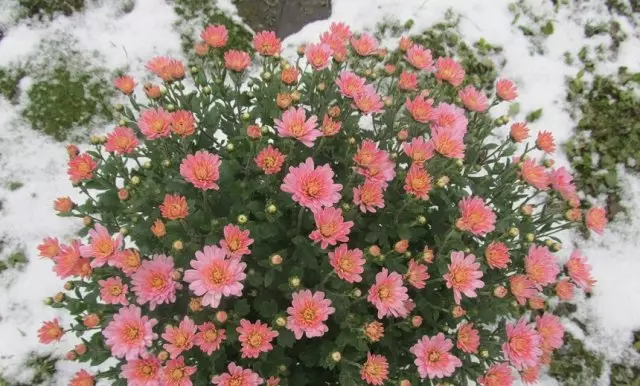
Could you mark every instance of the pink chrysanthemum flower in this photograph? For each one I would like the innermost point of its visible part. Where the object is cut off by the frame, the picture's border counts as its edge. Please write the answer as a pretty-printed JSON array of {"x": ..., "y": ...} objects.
[
  {"x": 183, "y": 123},
  {"x": 545, "y": 142},
  {"x": 330, "y": 127},
  {"x": 128, "y": 261},
  {"x": 267, "y": 43},
  {"x": 236, "y": 241},
  {"x": 564, "y": 289},
  {"x": 433, "y": 357},
  {"x": 347, "y": 263},
  {"x": 337, "y": 45},
  {"x": 498, "y": 374},
  {"x": 161, "y": 67},
  {"x": 50, "y": 247},
  {"x": 330, "y": 227},
  {"x": 522, "y": 347},
  {"x": 530, "y": 375},
  {"x": 295, "y": 124},
  {"x": 214, "y": 276},
  {"x": 113, "y": 291},
  {"x": 155, "y": 123},
  {"x": 209, "y": 337},
  {"x": 366, "y": 153},
  {"x": 349, "y": 84},
  {"x": 418, "y": 182},
  {"x": 579, "y": 271},
  {"x": 380, "y": 170},
  {"x": 273, "y": 381},
  {"x": 307, "y": 314},
  {"x": 369, "y": 196},
  {"x": 522, "y": 288},
  {"x": 368, "y": 101},
  {"x": 121, "y": 140},
  {"x": 365, "y": 44},
  {"x": 270, "y": 160},
  {"x": 418, "y": 150},
  {"x": 340, "y": 30},
  {"x": 473, "y": 99},
  {"x": 550, "y": 330},
  {"x": 215, "y": 35},
  {"x": 417, "y": 274},
  {"x": 408, "y": 81},
  {"x": 237, "y": 376},
  {"x": 463, "y": 276},
  {"x": 467, "y": 338},
  {"x": 310, "y": 186},
  {"x": 153, "y": 282},
  {"x": 318, "y": 55},
  {"x": 82, "y": 378},
  {"x": 142, "y": 372},
  {"x": 375, "y": 370},
  {"x": 596, "y": 219},
  {"x": 448, "y": 116},
  {"x": 129, "y": 333},
  {"x": 534, "y": 174},
  {"x": 174, "y": 207},
  {"x": 497, "y": 255},
  {"x": 255, "y": 338},
  {"x": 421, "y": 109},
  {"x": 81, "y": 168},
  {"x": 447, "y": 142},
  {"x": 50, "y": 332},
  {"x": 541, "y": 265},
  {"x": 477, "y": 217},
  {"x": 419, "y": 57},
  {"x": 68, "y": 261},
  {"x": 519, "y": 132},
  {"x": 176, "y": 373},
  {"x": 125, "y": 84},
  {"x": 506, "y": 90},
  {"x": 562, "y": 182},
  {"x": 179, "y": 338},
  {"x": 388, "y": 294},
  {"x": 103, "y": 248},
  {"x": 450, "y": 71},
  {"x": 236, "y": 60}
]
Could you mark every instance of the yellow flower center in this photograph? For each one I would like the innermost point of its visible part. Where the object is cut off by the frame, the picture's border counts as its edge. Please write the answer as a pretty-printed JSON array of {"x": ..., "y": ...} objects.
[
  {"x": 132, "y": 332},
  {"x": 217, "y": 276},
  {"x": 433, "y": 356},
  {"x": 157, "y": 281},
  {"x": 346, "y": 264},
  {"x": 327, "y": 230},
  {"x": 211, "y": 335},
  {"x": 384, "y": 293},
  {"x": 180, "y": 339},
  {"x": 157, "y": 125},
  {"x": 255, "y": 339},
  {"x": 308, "y": 314},
  {"x": 234, "y": 244},
  {"x": 146, "y": 370},
  {"x": 115, "y": 290},
  {"x": 177, "y": 374},
  {"x": 312, "y": 188}
]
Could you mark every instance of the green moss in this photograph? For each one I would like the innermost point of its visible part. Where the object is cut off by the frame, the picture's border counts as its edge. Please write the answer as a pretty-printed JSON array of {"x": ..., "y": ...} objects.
[
  {"x": 574, "y": 365},
  {"x": 14, "y": 185},
  {"x": 47, "y": 9},
  {"x": 9, "y": 80},
  {"x": 15, "y": 260}
]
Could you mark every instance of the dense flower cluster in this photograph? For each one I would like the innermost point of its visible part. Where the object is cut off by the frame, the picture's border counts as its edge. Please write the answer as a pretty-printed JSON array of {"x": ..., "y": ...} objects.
[{"x": 345, "y": 219}]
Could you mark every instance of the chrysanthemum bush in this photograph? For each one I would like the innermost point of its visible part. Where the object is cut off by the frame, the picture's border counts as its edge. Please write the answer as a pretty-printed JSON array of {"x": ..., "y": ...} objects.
[{"x": 337, "y": 220}]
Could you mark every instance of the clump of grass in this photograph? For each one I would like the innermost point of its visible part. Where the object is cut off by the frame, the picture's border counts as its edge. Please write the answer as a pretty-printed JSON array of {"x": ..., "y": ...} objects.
[
  {"x": 14, "y": 185},
  {"x": 9, "y": 81},
  {"x": 535, "y": 26},
  {"x": 16, "y": 260},
  {"x": 574, "y": 365},
  {"x": 47, "y": 9}
]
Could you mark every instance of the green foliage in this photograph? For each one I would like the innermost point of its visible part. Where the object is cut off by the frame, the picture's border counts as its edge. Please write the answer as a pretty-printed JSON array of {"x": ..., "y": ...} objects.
[
  {"x": 534, "y": 115},
  {"x": 14, "y": 185},
  {"x": 574, "y": 365},
  {"x": 9, "y": 80},
  {"x": 15, "y": 260},
  {"x": 47, "y": 9}
]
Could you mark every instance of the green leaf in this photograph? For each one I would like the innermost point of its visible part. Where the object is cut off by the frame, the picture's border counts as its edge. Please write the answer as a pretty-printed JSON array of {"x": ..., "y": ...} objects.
[
  {"x": 534, "y": 115},
  {"x": 286, "y": 338},
  {"x": 242, "y": 307},
  {"x": 547, "y": 29}
]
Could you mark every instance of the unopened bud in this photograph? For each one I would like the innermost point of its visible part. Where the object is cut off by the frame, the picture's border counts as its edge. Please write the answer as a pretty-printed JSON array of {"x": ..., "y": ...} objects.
[
  {"x": 87, "y": 221},
  {"x": 230, "y": 147},
  {"x": 526, "y": 210},
  {"x": 357, "y": 292},
  {"x": 123, "y": 194},
  {"x": 549, "y": 163},
  {"x": 401, "y": 246},
  {"x": 548, "y": 243},
  {"x": 295, "y": 96},
  {"x": 195, "y": 304},
  {"x": 166, "y": 163},
  {"x": 221, "y": 316},
  {"x": 59, "y": 297},
  {"x": 177, "y": 245},
  {"x": 530, "y": 237},
  {"x": 135, "y": 180},
  {"x": 48, "y": 301},
  {"x": 242, "y": 219},
  {"x": 459, "y": 163},
  {"x": 556, "y": 247},
  {"x": 68, "y": 286},
  {"x": 416, "y": 321},
  {"x": 422, "y": 220},
  {"x": 171, "y": 107},
  {"x": 352, "y": 141},
  {"x": 176, "y": 274},
  {"x": 402, "y": 135},
  {"x": 119, "y": 107},
  {"x": 271, "y": 209},
  {"x": 124, "y": 231},
  {"x": 500, "y": 292},
  {"x": 484, "y": 354},
  {"x": 122, "y": 122},
  {"x": 206, "y": 90},
  {"x": 322, "y": 86},
  {"x": 163, "y": 355},
  {"x": 80, "y": 349},
  {"x": 280, "y": 321},
  {"x": 336, "y": 356},
  {"x": 276, "y": 259},
  {"x": 346, "y": 207},
  {"x": 71, "y": 356},
  {"x": 147, "y": 165},
  {"x": 266, "y": 75},
  {"x": 282, "y": 368},
  {"x": 294, "y": 281},
  {"x": 514, "y": 232},
  {"x": 388, "y": 101}
]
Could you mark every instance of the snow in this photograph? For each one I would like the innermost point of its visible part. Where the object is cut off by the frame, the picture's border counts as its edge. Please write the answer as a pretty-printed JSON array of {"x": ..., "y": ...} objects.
[{"x": 126, "y": 41}]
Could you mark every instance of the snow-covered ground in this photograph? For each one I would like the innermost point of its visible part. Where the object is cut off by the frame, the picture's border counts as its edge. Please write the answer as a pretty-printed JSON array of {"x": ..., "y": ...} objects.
[{"x": 126, "y": 41}]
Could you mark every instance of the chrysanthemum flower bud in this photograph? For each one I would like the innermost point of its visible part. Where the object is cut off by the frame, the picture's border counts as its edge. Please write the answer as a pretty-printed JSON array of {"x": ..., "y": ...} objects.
[
  {"x": 230, "y": 147},
  {"x": 321, "y": 86},
  {"x": 513, "y": 232},
  {"x": 407, "y": 254},
  {"x": 484, "y": 354},
  {"x": 135, "y": 180},
  {"x": 356, "y": 293},
  {"x": 264, "y": 130},
  {"x": 195, "y": 304},
  {"x": 271, "y": 209},
  {"x": 72, "y": 150},
  {"x": 352, "y": 141},
  {"x": 500, "y": 291},
  {"x": 206, "y": 90},
  {"x": 404, "y": 382},
  {"x": 71, "y": 356},
  {"x": 334, "y": 111},
  {"x": 530, "y": 237},
  {"x": 266, "y": 75},
  {"x": 68, "y": 285},
  {"x": 166, "y": 163},
  {"x": 63, "y": 205},
  {"x": 556, "y": 247},
  {"x": 221, "y": 316},
  {"x": 123, "y": 231},
  {"x": 294, "y": 281},
  {"x": 80, "y": 349},
  {"x": 459, "y": 163},
  {"x": 346, "y": 207},
  {"x": 526, "y": 210},
  {"x": 402, "y": 135},
  {"x": 158, "y": 228},
  {"x": 514, "y": 304},
  {"x": 171, "y": 107},
  {"x": 381, "y": 258},
  {"x": 401, "y": 246},
  {"x": 242, "y": 219},
  {"x": 281, "y": 321},
  {"x": 123, "y": 194},
  {"x": 422, "y": 220},
  {"x": 163, "y": 355},
  {"x": 295, "y": 95},
  {"x": 282, "y": 368},
  {"x": 276, "y": 259},
  {"x": 467, "y": 250},
  {"x": 118, "y": 107},
  {"x": 176, "y": 274},
  {"x": 548, "y": 243},
  {"x": 336, "y": 356},
  {"x": 91, "y": 321},
  {"x": 87, "y": 221},
  {"x": 458, "y": 312},
  {"x": 416, "y": 321},
  {"x": 427, "y": 255},
  {"x": 59, "y": 297},
  {"x": 374, "y": 250},
  {"x": 48, "y": 301},
  {"x": 94, "y": 139},
  {"x": 573, "y": 215},
  {"x": 283, "y": 100},
  {"x": 301, "y": 49}
]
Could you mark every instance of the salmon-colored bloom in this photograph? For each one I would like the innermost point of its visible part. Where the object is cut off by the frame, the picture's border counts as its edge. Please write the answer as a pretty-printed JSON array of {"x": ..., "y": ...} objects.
[
  {"x": 374, "y": 331},
  {"x": 497, "y": 255},
  {"x": 369, "y": 196},
  {"x": 113, "y": 291},
  {"x": 128, "y": 261},
  {"x": 72, "y": 150},
  {"x": 122, "y": 140},
  {"x": 347, "y": 263},
  {"x": 579, "y": 271},
  {"x": 236, "y": 241},
  {"x": 158, "y": 229},
  {"x": 522, "y": 288},
  {"x": 255, "y": 338},
  {"x": 506, "y": 90},
  {"x": 215, "y": 35},
  {"x": 449, "y": 70},
  {"x": 82, "y": 378},
  {"x": 476, "y": 216},
  {"x": 174, "y": 207},
  {"x": 202, "y": 170},
  {"x": 63, "y": 204},
  {"x": 237, "y": 376},
  {"x": 318, "y": 55},
  {"x": 418, "y": 182},
  {"x": 418, "y": 150},
  {"x": 330, "y": 127},
  {"x": 405, "y": 43},
  {"x": 152, "y": 91},
  {"x": 368, "y": 101},
  {"x": 338, "y": 46},
  {"x": 330, "y": 227},
  {"x": 350, "y": 84},
  {"x": 401, "y": 246},
  {"x": 434, "y": 358},
  {"x": 68, "y": 262},
  {"x": 498, "y": 374},
  {"x": 537, "y": 303},
  {"x": 91, "y": 321},
  {"x": 130, "y": 333},
  {"x": 176, "y": 373},
  {"x": 176, "y": 69},
  {"x": 541, "y": 265},
  {"x": 201, "y": 48},
  {"x": 179, "y": 339},
  {"x": 283, "y": 100},
  {"x": 421, "y": 109},
  {"x": 254, "y": 132},
  {"x": 183, "y": 123},
  {"x": 142, "y": 372},
  {"x": 125, "y": 84},
  {"x": 307, "y": 314},
  {"x": 153, "y": 282},
  {"x": 103, "y": 247},
  {"x": 270, "y": 160},
  {"x": 522, "y": 347},
  {"x": 419, "y": 57},
  {"x": 295, "y": 124},
  {"x": 366, "y": 153},
  {"x": 273, "y": 381},
  {"x": 473, "y": 99},
  {"x": 564, "y": 289},
  {"x": 562, "y": 182},
  {"x": 50, "y": 247},
  {"x": 408, "y": 81},
  {"x": 519, "y": 132},
  {"x": 209, "y": 337},
  {"x": 236, "y": 60},
  {"x": 267, "y": 43},
  {"x": 375, "y": 371},
  {"x": 340, "y": 30},
  {"x": 530, "y": 375},
  {"x": 50, "y": 331},
  {"x": 364, "y": 45},
  {"x": 467, "y": 338},
  {"x": 463, "y": 276},
  {"x": 545, "y": 142},
  {"x": 417, "y": 274},
  {"x": 388, "y": 294},
  {"x": 534, "y": 174},
  {"x": 447, "y": 142},
  {"x": 161, "y": 67},
  {"x": 451, "y": 117},
  {"x": 289, "y": 75},
  {"x": 155, "y": 123},
  {"x": 81, "y": 168},
  {"x": 311, "y": 186},
  {"x": 550, "y": 330},
  {"x": 596, "y": 219}
]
